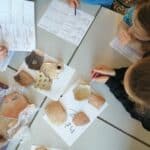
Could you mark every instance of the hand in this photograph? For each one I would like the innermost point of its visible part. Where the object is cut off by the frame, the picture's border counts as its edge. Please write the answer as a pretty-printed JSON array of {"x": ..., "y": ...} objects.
[
  {"x": 3, "y": 52},
  {"x": 102, "y": 73},
  {"x": 123, "y": 33},
  {"x": 73, "y": 3}
]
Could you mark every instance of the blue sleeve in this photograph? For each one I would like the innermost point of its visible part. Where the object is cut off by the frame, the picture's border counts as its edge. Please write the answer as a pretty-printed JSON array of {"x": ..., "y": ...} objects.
[
  {"x": 106, "y": 3},
  {"x": 128, "y": 16}
]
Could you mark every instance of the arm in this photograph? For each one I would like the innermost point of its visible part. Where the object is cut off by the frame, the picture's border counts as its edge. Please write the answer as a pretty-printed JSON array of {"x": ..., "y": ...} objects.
[
  {"x": 146, "y": 123},
  {"x": 117, "y": 89},
  {"x": 123, "y": 28},
  {"x": 114, "y": 81},
  {"x": 123, "y": 33},
  {"x": 120, "y": 73}
]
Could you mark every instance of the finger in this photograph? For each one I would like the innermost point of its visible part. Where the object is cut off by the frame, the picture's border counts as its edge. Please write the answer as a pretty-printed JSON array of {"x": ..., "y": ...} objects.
[
  {"x": 101, "y": 79},
  {"x": 125, "y": 37},
  {"x": 123, "y": 40},
  {"x": 109, "y": 72},
  {"x": 3, "y": 54},
  {"x": 96, "y": 75},
  {"x": 74, "y": 3}
]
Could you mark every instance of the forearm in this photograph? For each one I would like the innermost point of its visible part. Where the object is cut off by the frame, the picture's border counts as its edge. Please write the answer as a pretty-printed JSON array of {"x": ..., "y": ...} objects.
[
  {"x": 122, "y": 26},
  {"x": 117, "y": 89}
]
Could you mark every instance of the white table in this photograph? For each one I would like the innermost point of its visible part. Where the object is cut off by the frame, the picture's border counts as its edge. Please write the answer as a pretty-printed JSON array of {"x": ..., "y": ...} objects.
[
  {"x": 98, "y": 136},
  {"x": 94, "y": 50},
  {"x": 49, "y": 42}
]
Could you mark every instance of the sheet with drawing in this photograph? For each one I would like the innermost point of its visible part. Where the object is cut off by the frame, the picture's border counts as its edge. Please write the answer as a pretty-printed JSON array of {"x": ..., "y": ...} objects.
[
  {"x": 60, "y": 20},
  {"x": 68, "y": 131}
]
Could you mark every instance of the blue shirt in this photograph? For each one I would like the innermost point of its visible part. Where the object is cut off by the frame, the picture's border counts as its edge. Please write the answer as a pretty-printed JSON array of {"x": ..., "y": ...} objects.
[
  {"x": 128, "y": 16},
  {"x": 106, "y": 3}
]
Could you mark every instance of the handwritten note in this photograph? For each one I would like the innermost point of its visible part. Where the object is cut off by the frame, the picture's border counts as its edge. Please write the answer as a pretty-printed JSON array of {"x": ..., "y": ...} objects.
[
  {"x": 59, "y": 19},
  {"x": 18, "y": 25},
  {"x": 68, "y": 131},
  {"x": 131, "y": 54}
]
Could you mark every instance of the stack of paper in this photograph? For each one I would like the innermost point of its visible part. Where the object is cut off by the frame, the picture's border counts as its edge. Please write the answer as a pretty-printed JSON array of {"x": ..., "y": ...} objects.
[{"x": 18, "y": 25}]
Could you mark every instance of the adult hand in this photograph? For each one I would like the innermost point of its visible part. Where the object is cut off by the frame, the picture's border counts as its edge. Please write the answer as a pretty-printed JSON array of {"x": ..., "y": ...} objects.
[{"x": 102, "y": 73}]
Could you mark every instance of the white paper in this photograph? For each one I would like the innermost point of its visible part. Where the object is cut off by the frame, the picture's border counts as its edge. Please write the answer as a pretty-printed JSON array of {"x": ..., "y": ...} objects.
[
  {"x": 4, "y": 63},
  {"x": 59, "y": 19},
  {"x": 17, "y": 12},
  {"x": 18, "y": 25},
  {"x": 131, "y": 54},
  {"x": 68, "y": 131},
  {"x": 59, "y": 84},
  {"x": 19, "y": 37}
]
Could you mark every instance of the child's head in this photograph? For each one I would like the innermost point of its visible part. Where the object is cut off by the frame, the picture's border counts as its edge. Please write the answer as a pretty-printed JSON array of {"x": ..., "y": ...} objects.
[
  {"x": 137, "y": 82},
  {"x": 141, "y": 21}
]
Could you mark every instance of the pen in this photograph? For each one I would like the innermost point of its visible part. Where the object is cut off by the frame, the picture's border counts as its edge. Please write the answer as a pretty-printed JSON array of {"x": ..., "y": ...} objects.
[{"x": 75, "y": 9}]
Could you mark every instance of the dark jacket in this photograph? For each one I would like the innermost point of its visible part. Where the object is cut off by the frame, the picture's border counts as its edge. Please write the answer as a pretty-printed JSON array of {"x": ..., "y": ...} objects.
[{"x": 115, "y": 85}]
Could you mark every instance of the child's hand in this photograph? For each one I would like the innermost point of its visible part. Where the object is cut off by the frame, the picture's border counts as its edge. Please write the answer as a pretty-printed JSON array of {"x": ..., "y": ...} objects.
[
  {"x": 124, "y": 37},
  {"x": 73, "y": 3},
  {"x": 102, "y": 73},
  {"x": 123, "y": 33},
  {"x": 3, "y": 52}
]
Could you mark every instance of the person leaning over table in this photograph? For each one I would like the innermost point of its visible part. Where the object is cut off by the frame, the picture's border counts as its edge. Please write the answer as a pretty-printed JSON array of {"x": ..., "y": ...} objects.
[
  {"x": 134, "y": 29},
  {"x": 131, "y": 86},
  {"x": 106, "y": 3}
]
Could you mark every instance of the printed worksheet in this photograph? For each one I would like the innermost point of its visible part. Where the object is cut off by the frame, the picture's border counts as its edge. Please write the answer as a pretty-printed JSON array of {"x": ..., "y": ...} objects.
[
  {"x": 68, "y": 131},
  {"x": 60, "y": 19},
  {"x": 131, "y": 54},
  {"x": 17, "y": 24}
]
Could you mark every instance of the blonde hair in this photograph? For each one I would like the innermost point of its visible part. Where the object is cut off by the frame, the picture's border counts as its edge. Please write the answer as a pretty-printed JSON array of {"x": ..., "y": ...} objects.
[{"x": 137, "y": 82}]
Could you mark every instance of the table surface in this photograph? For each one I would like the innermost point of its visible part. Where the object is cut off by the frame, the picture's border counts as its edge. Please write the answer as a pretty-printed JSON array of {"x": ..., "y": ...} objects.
[{"x": 114, "y": 128}]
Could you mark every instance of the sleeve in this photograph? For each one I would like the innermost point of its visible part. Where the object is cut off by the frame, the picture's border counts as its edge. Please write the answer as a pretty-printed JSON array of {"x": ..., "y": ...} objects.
[
  {"x": 120, "y": 73},
  {"x": 146, "y": 123},
  {"x": 117, "y": 89},
  {"x": 128, "y": 16}
]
